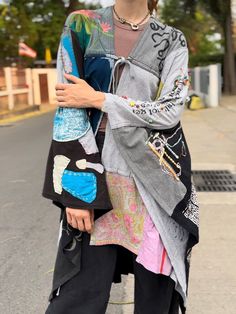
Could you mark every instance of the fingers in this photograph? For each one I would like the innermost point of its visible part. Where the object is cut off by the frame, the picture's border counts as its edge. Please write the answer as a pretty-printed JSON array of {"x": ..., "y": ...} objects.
[
  {"x": 72, "y": 78},
  {"x": 88, "y": 224},
  {"x": 60, "y": 92},
  {"x": 74, "y": 222},
  {"x": 62, "y": 104},
  {"x": 80, "y": 224},
  {"x": 92, "y": 220},
  {"x": 68, "y": 218},
  {"x": 61, "y": 98},
  {"x": 60, "y": 86},
  {"x": 80, "y": 219},
  {"x": 92, "y": 216}
]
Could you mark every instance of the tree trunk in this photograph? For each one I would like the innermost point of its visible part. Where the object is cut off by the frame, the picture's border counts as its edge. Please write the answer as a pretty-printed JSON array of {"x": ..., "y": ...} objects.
[{"x": 229, "y": 61}]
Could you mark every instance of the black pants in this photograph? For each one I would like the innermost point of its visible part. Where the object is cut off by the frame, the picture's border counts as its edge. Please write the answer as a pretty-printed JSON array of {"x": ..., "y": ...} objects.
[{"x": 88, "y": 292}]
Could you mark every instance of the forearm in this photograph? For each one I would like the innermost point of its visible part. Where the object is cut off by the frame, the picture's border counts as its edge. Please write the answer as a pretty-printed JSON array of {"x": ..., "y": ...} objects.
[{"x": 97, "y": 100}]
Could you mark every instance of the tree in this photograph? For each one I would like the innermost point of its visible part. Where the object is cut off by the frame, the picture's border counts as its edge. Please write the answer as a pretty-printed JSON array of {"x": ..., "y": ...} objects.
[
  {"x": 221, "y": 11},
  {"x": 196, "y": 24},
  {"x": 15, "y": 25},
  {"x": 39, "y": 23},
  {"x": 48, "y": 17}
]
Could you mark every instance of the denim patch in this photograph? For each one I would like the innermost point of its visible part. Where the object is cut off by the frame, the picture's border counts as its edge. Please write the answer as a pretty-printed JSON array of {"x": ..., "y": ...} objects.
[
  {"x": 82, "y": 185},
  {"x": 70, "y": 124}
]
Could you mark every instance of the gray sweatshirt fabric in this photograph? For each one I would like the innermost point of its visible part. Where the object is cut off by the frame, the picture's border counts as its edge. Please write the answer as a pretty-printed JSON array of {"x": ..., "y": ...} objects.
[{"x": 133, "y": 107}]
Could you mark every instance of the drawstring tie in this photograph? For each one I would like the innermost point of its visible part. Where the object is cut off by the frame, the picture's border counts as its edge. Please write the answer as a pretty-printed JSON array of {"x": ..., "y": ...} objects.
[{"x": 115, "y": 73}]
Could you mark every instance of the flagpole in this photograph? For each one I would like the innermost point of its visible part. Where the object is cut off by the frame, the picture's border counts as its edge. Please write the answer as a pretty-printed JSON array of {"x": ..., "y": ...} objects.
[
  {"x": 19, "y": 57},
  {"x": 20, "y": 62}
]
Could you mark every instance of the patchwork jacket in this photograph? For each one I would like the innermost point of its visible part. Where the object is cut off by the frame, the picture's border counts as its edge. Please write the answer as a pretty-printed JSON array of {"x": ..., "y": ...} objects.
[{"x": 144, "y": 138}]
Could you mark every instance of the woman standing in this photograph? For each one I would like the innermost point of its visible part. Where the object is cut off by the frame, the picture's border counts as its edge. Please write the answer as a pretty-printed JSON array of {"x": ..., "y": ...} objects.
[{"x": 135, "y": 210}]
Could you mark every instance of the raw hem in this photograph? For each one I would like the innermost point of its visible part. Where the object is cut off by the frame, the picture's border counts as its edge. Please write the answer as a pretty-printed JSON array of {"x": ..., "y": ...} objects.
[
  {"x": 87, "y": 206},
  {"x": 112, "y": 242}
]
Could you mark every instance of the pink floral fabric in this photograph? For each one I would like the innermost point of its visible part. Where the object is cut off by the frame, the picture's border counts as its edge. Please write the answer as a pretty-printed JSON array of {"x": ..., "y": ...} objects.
[
  {"x": 130, "y": 226},
  {"x": 124, "y": 224},
  {"x": 89, "y": 13}
]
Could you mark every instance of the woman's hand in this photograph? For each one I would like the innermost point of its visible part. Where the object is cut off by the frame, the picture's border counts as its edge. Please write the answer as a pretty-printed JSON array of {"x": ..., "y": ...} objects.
[
  {"x": 79, "y": 95},
  {"x": 82, "y": 219}
]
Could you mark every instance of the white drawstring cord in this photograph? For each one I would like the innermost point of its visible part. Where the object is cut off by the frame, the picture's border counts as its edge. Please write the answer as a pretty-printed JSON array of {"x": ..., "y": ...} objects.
[{"x": 115, "y": 73}]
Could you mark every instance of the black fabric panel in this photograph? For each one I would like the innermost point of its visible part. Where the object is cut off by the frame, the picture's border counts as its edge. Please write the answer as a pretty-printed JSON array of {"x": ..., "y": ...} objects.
[
  {"x": 79, "y": 54},
  {"x": 85, "y": 274},
  {"x": 74, "y": 151}
]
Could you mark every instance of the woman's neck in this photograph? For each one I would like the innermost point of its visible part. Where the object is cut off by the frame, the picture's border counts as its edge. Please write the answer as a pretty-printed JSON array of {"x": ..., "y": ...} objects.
[{"x": 131, "y": 10}]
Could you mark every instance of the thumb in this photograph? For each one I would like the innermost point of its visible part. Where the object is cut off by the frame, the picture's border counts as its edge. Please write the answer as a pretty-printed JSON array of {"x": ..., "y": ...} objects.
[{"x": 72, "y": 78}]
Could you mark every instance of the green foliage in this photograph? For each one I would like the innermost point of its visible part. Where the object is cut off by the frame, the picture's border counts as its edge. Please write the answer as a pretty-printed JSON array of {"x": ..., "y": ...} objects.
[
  {"x": 15, "y": 25},
  {"x": 219, "y": 9},
  {"x": 205, "y": 59},
  {"x": 221, "y": 12},
  {"x": 38, "y": 22},
  {"x": 196, "y": 23}
]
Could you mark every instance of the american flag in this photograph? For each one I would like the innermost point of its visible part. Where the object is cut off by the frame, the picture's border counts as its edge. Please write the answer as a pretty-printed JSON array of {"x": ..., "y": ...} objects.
[{"x": 26, "y": 51}]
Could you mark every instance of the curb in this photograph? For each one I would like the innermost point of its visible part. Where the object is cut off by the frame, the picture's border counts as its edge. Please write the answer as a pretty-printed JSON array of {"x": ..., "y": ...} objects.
[
  {"x": 10, "y": 113},
  {"x": 24, "y": 114}
]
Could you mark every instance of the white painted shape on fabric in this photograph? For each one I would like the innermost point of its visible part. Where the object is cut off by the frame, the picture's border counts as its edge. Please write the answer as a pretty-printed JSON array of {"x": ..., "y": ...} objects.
[
  {"x": 60, "y": 164},
  {"x": 84, "y": 164}
]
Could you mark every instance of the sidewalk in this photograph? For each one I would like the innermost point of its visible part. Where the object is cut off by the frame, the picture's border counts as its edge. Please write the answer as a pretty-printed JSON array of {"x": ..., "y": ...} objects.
[
  {"x": 211, "y": 135},
  {"x": 25, "y": 112}
]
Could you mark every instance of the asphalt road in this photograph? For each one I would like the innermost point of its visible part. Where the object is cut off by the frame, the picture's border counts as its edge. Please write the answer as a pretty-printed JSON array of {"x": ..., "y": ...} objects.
[{"x": 28, "y": 222}]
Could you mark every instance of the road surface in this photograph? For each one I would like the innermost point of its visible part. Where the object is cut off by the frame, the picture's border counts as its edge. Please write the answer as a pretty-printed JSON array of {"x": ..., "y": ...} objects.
[{"x": 28, "y": 222}]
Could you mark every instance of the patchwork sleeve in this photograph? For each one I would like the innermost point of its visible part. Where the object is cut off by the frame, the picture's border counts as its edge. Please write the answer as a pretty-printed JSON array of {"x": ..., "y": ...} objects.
[
  {"x": 166, "y": 110},
  {"x": 74, "y": 175}
]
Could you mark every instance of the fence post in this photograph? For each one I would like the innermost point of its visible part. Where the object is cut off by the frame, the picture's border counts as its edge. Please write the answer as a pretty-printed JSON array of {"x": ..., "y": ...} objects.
[
  {"x": 29, "y": 82},
  {"x": 214, "y": 86},
  {"x": 8, "y": 79},
  {"x": 197, "y": 85}
]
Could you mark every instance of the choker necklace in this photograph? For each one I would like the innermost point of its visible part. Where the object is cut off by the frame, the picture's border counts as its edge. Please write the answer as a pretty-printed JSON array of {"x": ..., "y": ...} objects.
[{"x": 134, "y": 26}]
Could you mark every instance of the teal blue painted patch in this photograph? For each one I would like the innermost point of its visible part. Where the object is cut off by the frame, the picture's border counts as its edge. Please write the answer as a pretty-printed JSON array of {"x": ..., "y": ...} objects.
[
  {"x": 68, "y": 54},
  {"x": 82, "y": 185},
  {"x": 69, "y": 123}
]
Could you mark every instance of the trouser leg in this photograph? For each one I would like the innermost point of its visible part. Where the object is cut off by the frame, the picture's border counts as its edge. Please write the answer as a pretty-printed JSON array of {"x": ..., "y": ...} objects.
[
  {"x": 154, "y": 293},
  {"x": 88, "y": 292}
]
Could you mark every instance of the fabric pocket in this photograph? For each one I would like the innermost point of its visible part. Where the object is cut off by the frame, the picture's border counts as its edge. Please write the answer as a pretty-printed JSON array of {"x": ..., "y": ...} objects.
[{"x": 168, "y": 148}]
